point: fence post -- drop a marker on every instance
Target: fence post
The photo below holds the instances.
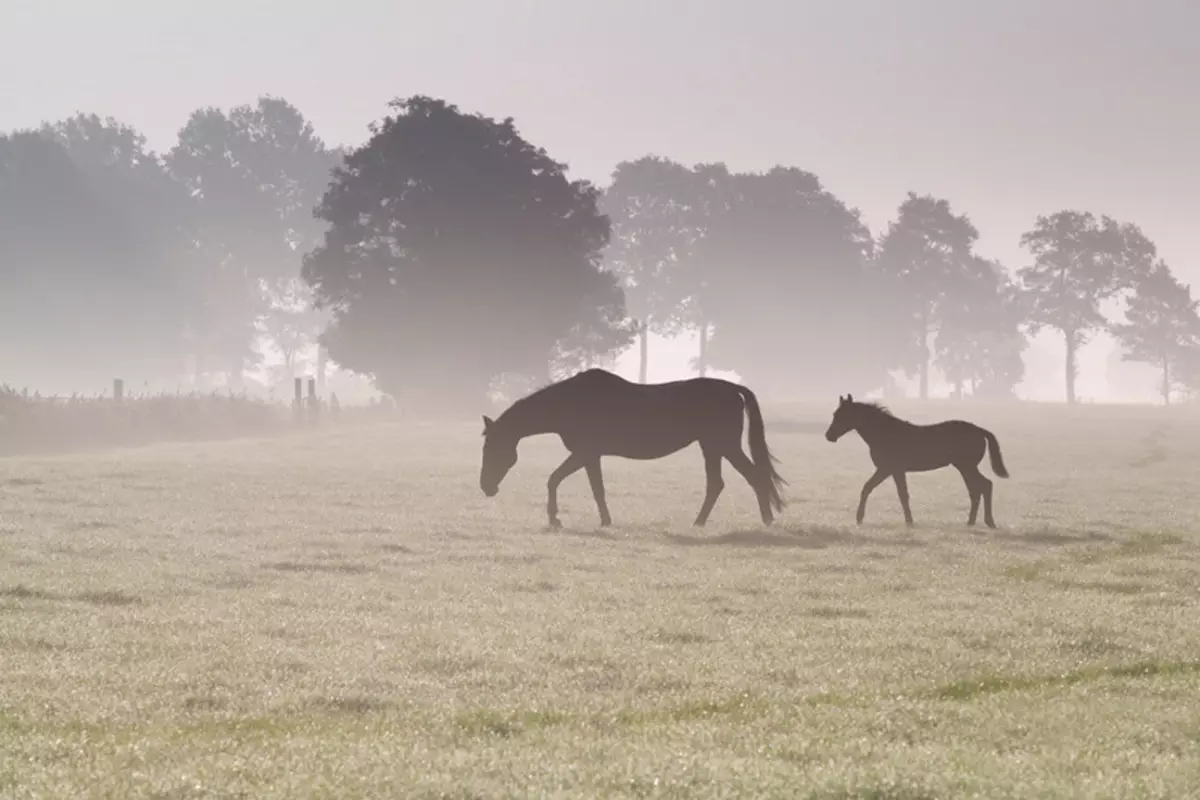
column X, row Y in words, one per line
column 118, row 390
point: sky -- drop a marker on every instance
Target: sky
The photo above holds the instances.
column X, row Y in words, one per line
column 1007, row 108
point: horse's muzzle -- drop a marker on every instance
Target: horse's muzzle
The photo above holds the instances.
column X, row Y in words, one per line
column 490, row 491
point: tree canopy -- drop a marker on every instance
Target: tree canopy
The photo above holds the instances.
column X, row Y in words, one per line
column 458, row 251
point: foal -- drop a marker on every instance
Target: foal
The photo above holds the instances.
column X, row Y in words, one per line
column 899, row 447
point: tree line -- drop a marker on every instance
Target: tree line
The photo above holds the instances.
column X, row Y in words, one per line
column 447, row 255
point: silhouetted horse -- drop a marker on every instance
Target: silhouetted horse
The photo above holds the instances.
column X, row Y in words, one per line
column 597, row 413
column 898, row 447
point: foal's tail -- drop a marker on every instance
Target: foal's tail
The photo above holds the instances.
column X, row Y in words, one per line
column 993, row 447
column 760, row 454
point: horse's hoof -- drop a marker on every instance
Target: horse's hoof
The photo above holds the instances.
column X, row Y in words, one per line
column 554, row 525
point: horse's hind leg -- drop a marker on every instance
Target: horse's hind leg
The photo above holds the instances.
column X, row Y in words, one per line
column 985, row 488
column 596, row 479
column 742, row 463
column 715, row 483
column 971, row 477
column 902, row 490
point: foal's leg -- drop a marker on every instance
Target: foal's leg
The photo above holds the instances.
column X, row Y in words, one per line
column 596, row 478
column 985, row 488
column 715, row 483
column 742, row 463
column 971, row 477
column 879, row 477
column 902, row 489
column 569, row 467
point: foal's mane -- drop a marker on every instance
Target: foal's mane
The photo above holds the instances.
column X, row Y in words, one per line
column 876, row 408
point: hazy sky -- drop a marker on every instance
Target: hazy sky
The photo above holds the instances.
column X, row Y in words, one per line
column 1008, row 108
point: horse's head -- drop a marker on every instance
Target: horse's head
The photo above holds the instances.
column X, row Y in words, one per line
column 499, row 455
column 844, row 419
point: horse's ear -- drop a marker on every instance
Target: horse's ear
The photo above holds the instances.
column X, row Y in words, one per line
column 849, row 398
column 487, row 424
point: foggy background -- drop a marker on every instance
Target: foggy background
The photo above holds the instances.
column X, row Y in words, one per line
column 1006, row 109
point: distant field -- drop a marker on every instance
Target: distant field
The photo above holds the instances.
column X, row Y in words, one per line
column 343, row 614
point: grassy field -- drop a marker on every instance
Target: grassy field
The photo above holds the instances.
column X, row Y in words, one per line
column 343, row 614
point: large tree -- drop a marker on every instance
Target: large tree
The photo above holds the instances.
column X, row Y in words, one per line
column 928, row 251
column 257, row 172
column 789, row 287
column 1079, row 263
column 458, row 251
column 658, row 215
column 1162, row 327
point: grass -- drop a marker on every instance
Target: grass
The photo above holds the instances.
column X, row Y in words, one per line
column 343, row 614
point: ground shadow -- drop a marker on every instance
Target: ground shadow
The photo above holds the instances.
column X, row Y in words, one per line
column 1048, row 537
column 582, row 533
column 804, row 537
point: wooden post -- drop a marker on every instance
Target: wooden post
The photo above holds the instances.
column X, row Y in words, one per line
column 298, row 400
column 118, row 390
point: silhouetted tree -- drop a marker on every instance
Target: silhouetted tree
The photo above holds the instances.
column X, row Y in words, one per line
column 1079, row 262
column 1162, row 327
column 257, row 172
column 85, row 288
column 657, row 216
column 979, row 340
column 458, row 251
column 787, row 280
column 928, row 252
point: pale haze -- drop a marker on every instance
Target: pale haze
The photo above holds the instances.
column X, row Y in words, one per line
column 1008, row 109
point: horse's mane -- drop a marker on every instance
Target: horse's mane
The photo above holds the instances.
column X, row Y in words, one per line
column 876, row 407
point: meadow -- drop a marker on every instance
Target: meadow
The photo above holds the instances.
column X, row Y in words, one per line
column 342, row 613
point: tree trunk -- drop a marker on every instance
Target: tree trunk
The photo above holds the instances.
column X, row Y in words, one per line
column 703, row 360
column 1072, row 348
column 1166, row 384
column 925, row 357
column 643, row 351
column 958, row 389
column 321, row 356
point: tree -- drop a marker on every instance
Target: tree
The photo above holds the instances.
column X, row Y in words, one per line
column 1162, row 327
column 787, row 280
column 257, row 172
column 86, row 290
column 658, row 216
column 979, row 340
column 457, row 251
column 158, row 210
column 928, row 252
column 1080, row 262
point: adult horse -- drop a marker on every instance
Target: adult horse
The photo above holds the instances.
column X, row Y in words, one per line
column 597, row 414
column 898, row 447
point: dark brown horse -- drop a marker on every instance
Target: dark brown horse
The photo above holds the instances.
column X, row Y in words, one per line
column 899, row 447
column 597, row 413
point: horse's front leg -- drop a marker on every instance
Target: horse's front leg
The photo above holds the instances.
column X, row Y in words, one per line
column 596, row 478
column 879, row 477
column 570, row 466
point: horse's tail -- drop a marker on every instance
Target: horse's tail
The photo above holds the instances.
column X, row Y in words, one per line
column 760, row 454
column 993, row 447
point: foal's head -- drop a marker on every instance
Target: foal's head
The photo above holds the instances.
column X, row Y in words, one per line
column 846, row 417
column 499, row 455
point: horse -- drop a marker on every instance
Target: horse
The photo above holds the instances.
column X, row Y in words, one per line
column 596, row 413
column 899, row 447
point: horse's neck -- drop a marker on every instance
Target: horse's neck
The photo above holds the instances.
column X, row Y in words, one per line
column 878, row 427
column 530, row 417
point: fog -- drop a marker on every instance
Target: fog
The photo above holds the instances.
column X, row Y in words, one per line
column 1006, row 110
